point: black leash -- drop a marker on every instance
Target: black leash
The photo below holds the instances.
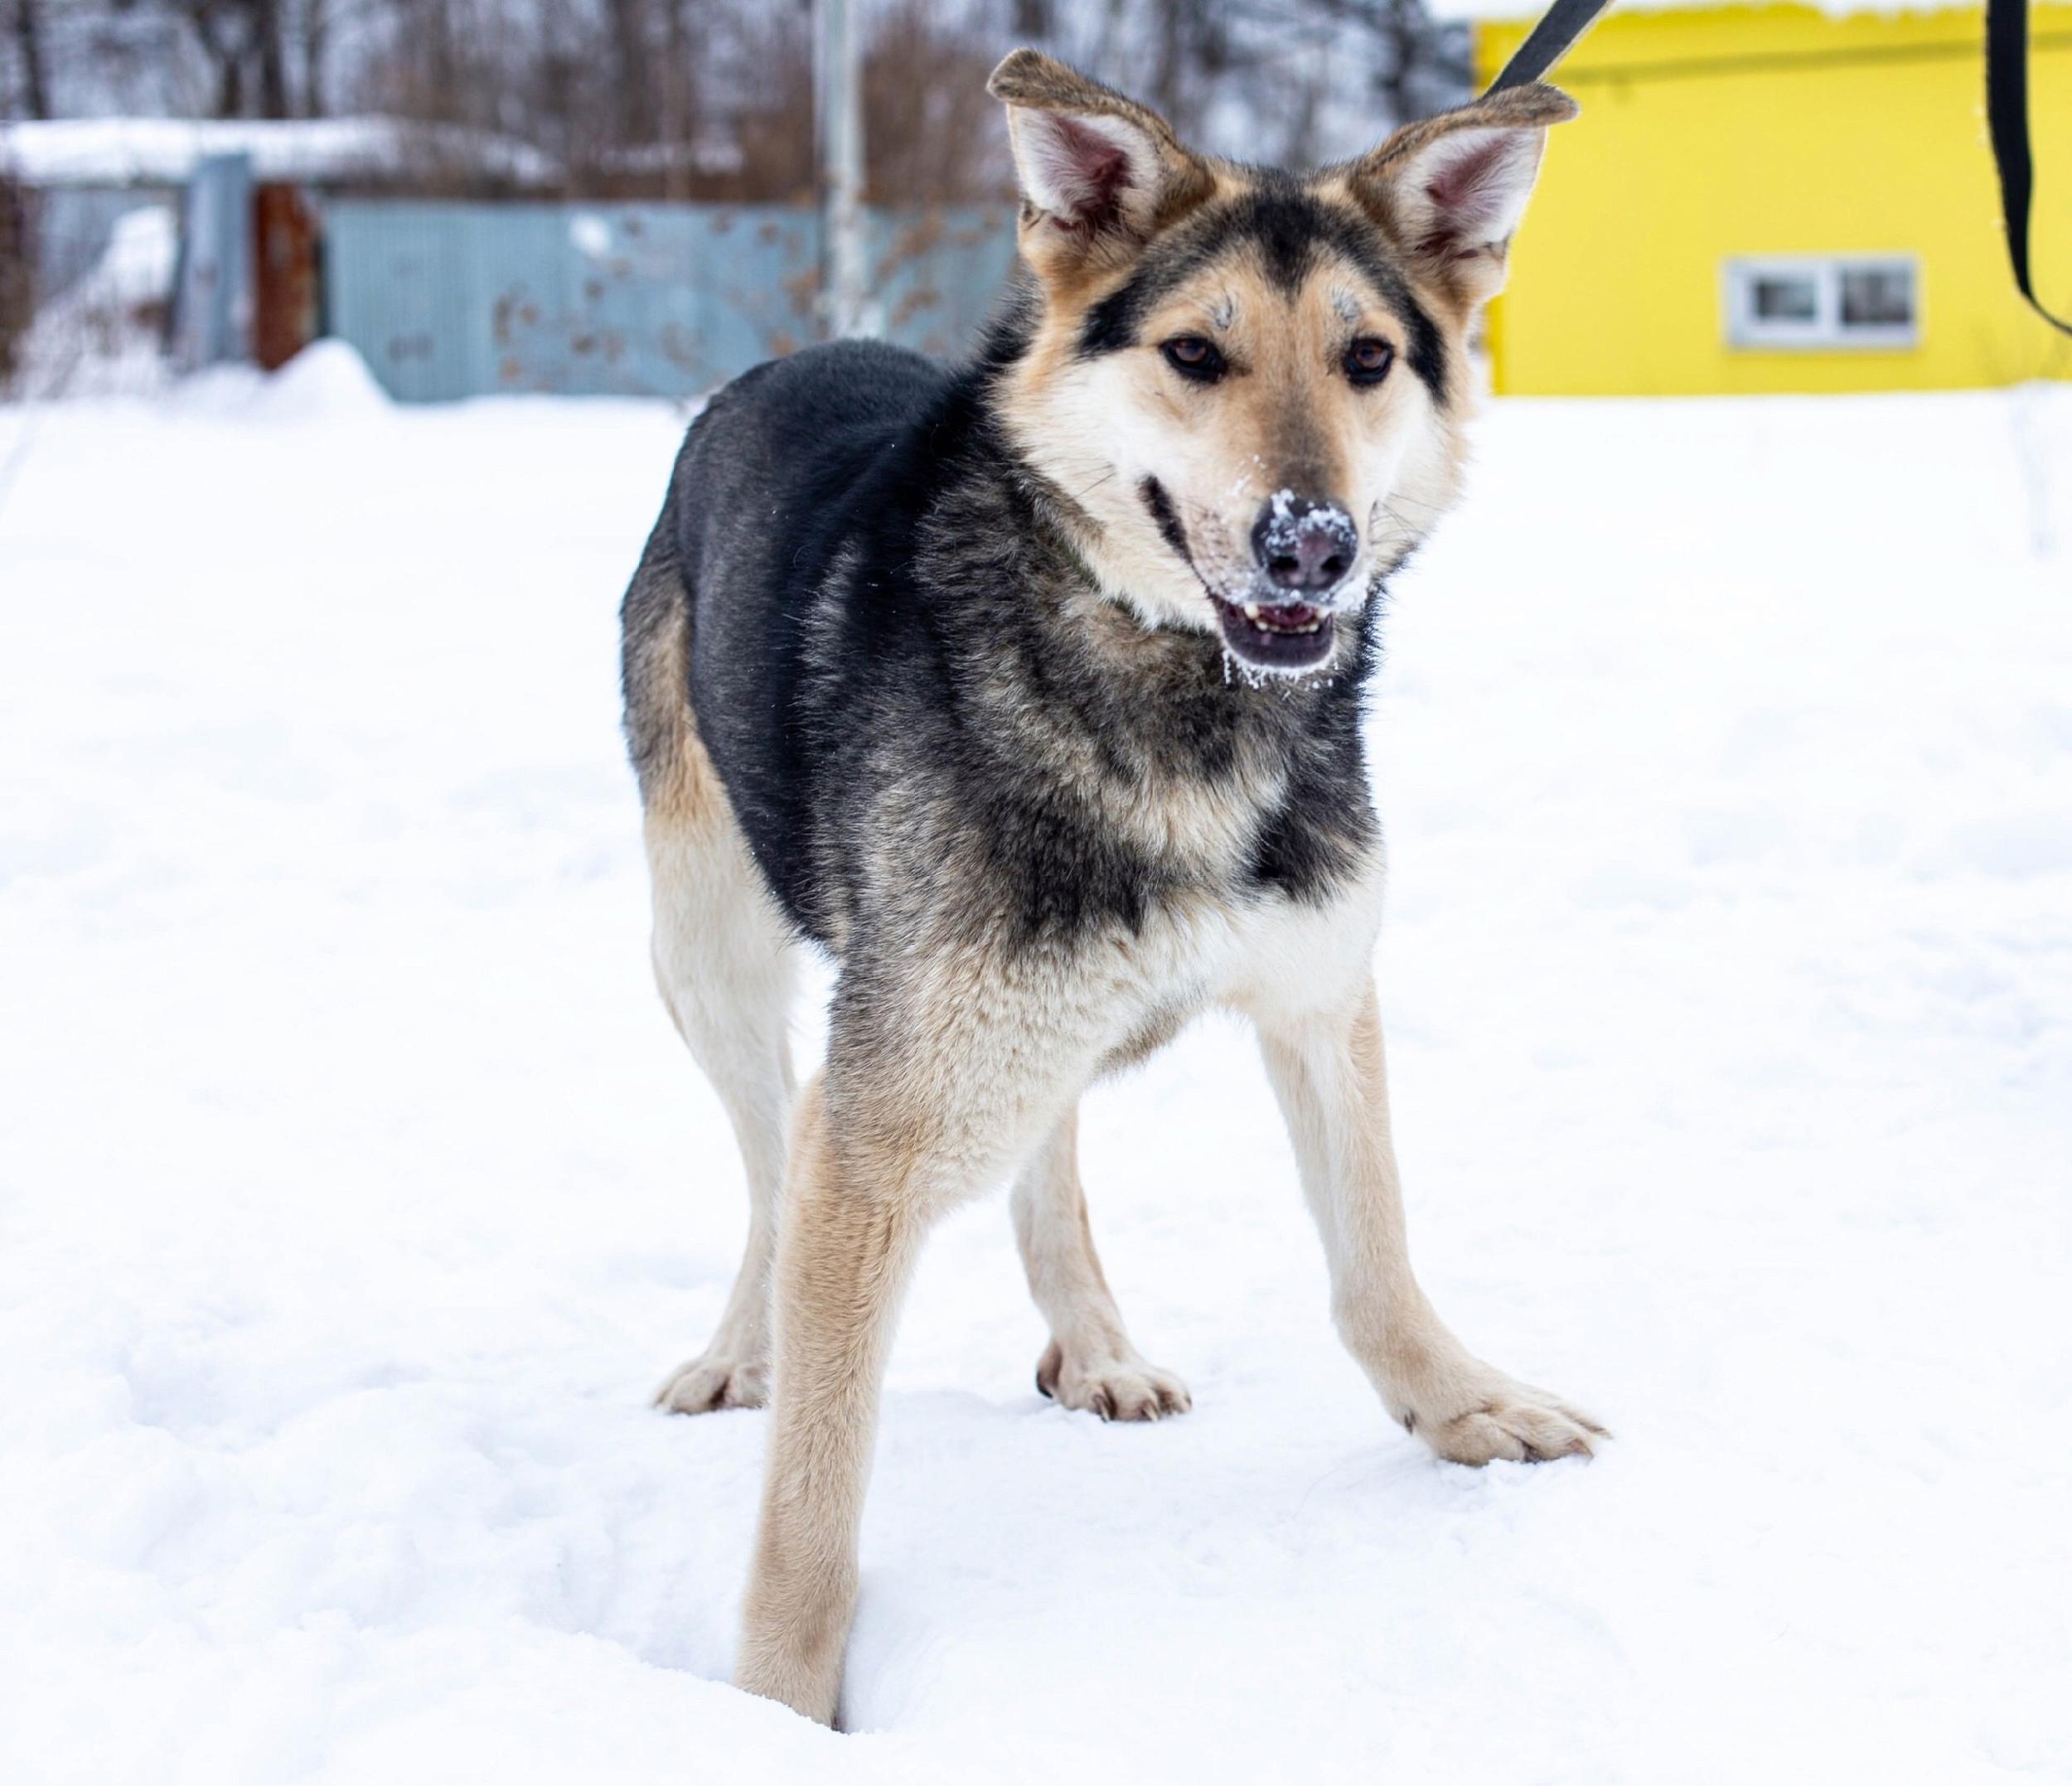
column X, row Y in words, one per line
column 2007, row 107
column 1549, row 42
column 2007, row 118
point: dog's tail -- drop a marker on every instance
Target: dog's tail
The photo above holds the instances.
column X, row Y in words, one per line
column 654, row 663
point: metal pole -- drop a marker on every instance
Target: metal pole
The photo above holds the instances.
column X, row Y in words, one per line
column 845, row 306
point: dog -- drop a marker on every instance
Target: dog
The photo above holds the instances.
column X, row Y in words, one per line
column 1031, row 691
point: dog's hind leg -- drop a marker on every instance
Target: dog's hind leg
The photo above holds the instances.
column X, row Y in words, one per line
column 722, row 960
column 1090, row 1362
column 724, row 965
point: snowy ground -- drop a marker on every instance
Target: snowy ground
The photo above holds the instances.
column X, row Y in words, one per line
column 356, row 1194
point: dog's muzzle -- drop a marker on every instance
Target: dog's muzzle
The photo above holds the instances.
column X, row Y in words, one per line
column 1305, row 552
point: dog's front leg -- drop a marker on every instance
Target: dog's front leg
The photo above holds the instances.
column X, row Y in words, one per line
column 1090, row 1362
column 1327, row 1069
column 850, row 1235
column 890, row 1134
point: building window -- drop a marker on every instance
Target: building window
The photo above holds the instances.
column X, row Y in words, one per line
column 1806, row 301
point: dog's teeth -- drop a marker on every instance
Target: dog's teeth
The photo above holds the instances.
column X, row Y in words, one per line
column 1251, row 611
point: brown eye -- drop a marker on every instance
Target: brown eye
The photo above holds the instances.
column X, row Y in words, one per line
column 1194, row 356
column 1368, row 359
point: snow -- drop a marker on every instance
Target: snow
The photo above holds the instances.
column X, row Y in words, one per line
column 137, row 267
column 356, row 1194
column 326, row 382
column 104, row 334
column 165, row 151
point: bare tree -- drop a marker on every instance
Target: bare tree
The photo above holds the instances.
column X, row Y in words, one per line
column 29, row 53
column 713, row 98
column 681, row 112
column 932, row 133
column 1416, row 66
column 634, row 70
column 17, row 272
column 243, row 43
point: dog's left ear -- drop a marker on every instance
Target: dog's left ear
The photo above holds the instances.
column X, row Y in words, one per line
column 1451, row 189
column 1100, row 174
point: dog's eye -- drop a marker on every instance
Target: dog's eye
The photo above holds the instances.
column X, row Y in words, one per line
column 1368, row 359
column 1194, row 356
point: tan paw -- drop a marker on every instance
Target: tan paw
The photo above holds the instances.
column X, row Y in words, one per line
column 717, row 1380
column 1121, row 1387
column 1507, row 1420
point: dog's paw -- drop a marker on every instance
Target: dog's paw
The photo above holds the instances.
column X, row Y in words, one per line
column 1504, row 1419
column 1120, row 1387
column 717, row 1380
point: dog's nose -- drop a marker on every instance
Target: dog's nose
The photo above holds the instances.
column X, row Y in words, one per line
column 1301, row 545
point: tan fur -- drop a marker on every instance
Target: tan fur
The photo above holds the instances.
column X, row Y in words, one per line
column 980, row 1072
column 1029, row 81
column 968, row 1060
column 1462, row 276
column 1204, row 825
column 851, row 1230
column 1090, row 1362
column 1327, row 1070
column 724, row 965
column 1288, row 422
column 950, row 1097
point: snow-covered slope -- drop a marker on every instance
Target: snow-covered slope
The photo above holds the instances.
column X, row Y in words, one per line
column 354, row 1194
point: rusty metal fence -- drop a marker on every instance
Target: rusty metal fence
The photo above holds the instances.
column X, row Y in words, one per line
column 447, row 301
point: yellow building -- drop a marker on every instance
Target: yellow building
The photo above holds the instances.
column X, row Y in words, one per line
column 1778, row 198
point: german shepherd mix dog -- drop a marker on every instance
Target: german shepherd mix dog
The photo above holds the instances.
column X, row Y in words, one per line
column 1033, row 692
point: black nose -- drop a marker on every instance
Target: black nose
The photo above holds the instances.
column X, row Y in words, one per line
column 1301, row 545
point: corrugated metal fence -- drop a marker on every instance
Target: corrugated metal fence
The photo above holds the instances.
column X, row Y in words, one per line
column 460, row 300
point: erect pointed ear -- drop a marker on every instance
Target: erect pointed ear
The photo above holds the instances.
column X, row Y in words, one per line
column 1451, row 188
column 1100, row 174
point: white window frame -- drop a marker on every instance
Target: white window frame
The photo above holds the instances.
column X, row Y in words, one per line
column 1826, row 332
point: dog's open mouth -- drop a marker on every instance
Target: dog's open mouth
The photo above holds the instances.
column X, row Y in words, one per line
column 1285, row 635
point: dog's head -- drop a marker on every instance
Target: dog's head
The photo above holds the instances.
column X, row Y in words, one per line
column 1248, row 384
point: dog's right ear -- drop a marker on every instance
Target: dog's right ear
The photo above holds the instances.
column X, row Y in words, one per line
column 1100, row 174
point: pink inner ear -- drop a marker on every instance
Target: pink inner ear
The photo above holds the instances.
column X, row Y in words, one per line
column 1089, row 170
column 1469, row 194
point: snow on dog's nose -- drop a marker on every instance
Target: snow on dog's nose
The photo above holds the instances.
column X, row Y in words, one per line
column 1303, row 545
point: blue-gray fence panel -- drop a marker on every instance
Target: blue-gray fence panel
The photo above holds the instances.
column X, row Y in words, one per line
column 212, row 285
column 459, row 300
